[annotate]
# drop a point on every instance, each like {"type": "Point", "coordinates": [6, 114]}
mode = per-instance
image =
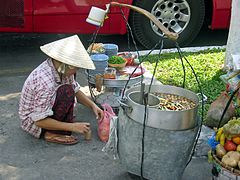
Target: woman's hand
{"type": "Point", "coordinates": [97, 111]}
{"type": "Point", "coordinates": [80, 127]}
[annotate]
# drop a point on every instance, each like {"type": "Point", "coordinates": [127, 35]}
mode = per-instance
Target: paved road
{"type": "Point", "coordinates": [25, 158]}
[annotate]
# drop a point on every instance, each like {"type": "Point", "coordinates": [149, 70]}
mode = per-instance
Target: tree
{"type": "Point", "coordinates": [233, 42]}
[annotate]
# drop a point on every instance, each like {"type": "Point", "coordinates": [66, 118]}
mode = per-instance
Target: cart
{"type": "Point", "coordinates": [111, 89]}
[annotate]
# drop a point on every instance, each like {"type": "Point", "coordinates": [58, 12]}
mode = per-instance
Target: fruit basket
{"type": "Point", "coordinates": [224, 166]}
{"type": "Point", "coordinates": [222, 171]}
{"type": "Point", "coordinates": [225, 152]}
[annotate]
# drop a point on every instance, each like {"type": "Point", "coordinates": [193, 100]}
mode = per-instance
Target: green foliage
{"type": "Point", "coordinates": [206, 64]}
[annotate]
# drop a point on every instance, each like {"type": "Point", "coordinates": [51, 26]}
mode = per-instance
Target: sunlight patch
{"type": "Point", "coordinates": [9, 96]}
{"type": "Point", "coordinates": [2, 140]}
{"type": "Point", "coordinates": [6, 169]}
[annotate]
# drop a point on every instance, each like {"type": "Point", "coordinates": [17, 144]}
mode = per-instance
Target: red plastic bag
{"type": "Point", "coordinates": [104, 123]}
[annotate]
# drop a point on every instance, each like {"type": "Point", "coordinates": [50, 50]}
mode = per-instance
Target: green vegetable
{"type": "Point", "coordinates": [116, 60]}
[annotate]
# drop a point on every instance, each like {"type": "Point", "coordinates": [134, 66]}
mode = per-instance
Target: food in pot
{"type": "Point", "coordinates": [172, 102]}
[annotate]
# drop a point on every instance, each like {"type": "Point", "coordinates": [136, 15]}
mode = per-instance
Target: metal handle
{"type": "Point", "coordinates": [125, 106]}
{"type": "Point", "coordinates": [204, 98]}
{"type": "Point", "coordinates": [122, 103]}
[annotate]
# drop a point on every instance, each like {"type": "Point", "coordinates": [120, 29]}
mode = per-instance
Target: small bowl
{"type": "Point", "coordinates": [129, 57]}
{"type": "Point", "coordinates": [118, 65]}
{"type": "Point", "coordinates": [110, 49]}
{"type": "Point", "coordinates": [99, 57]}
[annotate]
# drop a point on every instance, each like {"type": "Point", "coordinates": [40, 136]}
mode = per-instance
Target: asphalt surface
{"type": "Point", "coordinates": [26, 158]}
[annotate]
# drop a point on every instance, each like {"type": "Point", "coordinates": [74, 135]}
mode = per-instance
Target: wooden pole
{"type": "Point", "coordinates": [171, 35]}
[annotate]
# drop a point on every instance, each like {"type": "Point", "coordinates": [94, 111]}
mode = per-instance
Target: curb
{"type": "Point", "coordinates": [186, 49]}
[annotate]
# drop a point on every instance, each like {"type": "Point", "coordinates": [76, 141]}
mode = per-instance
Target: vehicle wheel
{"type": "Point", "coordinates": [184, 17]}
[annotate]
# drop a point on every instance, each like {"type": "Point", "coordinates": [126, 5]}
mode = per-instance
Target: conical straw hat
{"type": "Point", "coordinates": [69, 51]}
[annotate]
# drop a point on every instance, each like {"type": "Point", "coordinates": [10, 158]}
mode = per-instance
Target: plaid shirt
{"type": "Point", "coordinates": [38, 95]}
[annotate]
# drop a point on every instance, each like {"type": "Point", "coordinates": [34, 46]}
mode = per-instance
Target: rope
{"type": "Point", "coordinates": [145, 97]}
{"type": "Point", "coordinates": [92, 41]}
{"type": "Point", "coordinates": [202, 97]}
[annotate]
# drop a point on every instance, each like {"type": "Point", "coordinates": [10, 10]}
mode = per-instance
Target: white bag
{"type": "Point", "coordinates": [111, 147]}
{"type": "Point", "coordinates": [236, 61]}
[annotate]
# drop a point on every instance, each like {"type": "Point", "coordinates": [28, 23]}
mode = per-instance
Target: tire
{"type": "Point", "coordinates": [169, 13]}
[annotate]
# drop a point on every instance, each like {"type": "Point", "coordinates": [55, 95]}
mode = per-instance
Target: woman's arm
{"type": "Point", "coordinates": [52, 124]}
{"type": "Point", "coordinates": [82, 98]}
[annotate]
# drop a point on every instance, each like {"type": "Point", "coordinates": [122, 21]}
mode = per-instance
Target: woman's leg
{"type": "Point", "coordinates": [63, 106]}
{"type": "Point", "coordinates": [62, 111]}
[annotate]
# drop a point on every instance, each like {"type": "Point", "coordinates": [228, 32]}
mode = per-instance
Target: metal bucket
{"type": "Point", "coordinates": [166, 152]}
{"type": "Point", "coordinates": [167, 142]}
{"type": "Point", "coordinates": [162, 119]}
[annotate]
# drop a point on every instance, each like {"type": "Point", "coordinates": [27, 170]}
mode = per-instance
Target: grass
{"type": "Point", "coordinates": [207, 65]}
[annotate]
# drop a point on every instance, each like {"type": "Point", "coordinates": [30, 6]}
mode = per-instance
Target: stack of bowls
{"type": "Point", "coordinates": [101, 62]}
{"type": "Point", "coordinates": [111, 49]}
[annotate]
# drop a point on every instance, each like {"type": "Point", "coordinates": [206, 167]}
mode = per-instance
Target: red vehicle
{"type": "Point", "coordinates": [185, 17]}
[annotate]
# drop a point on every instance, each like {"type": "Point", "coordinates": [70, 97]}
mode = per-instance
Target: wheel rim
{"type": "Point", "coordinates": [173, 14]}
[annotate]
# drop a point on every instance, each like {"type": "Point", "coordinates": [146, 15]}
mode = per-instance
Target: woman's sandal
{"type": "Point", "coordinates": [60, 138]}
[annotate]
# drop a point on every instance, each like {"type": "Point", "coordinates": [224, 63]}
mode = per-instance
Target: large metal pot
{"type": "Point", "coordinates": [162, 119]}
{"type": "Point", "coordinates": [136, 97]}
